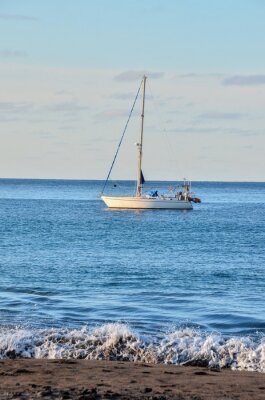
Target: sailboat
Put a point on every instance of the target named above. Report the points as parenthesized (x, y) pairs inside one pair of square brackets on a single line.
[(181, 200)]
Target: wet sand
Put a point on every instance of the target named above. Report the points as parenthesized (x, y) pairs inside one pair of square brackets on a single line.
[(82, 379)]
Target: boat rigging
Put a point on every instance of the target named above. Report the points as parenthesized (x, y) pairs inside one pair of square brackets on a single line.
[(181, 200)]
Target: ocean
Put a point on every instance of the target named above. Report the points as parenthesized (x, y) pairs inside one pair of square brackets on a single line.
[(78, 280)]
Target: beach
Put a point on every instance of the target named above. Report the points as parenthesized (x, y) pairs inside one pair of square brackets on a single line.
[(85, 379)]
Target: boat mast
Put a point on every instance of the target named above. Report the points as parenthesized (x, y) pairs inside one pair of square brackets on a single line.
[(140, 146)]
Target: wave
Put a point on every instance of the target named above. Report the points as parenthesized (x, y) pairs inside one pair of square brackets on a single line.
[(119, 342)]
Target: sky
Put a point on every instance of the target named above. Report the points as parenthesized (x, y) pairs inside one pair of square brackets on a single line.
[(70, 70)]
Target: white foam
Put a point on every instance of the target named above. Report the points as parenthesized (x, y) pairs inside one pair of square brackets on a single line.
[(119, 342)]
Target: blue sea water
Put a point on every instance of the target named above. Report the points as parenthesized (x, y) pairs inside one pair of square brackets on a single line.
[(80, 280)]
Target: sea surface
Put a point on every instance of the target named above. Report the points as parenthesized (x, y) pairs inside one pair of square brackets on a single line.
[(78, 280)]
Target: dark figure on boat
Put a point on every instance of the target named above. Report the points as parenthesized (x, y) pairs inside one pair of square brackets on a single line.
[(154, 193)]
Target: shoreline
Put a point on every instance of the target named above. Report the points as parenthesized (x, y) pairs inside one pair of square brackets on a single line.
[(87, 379)]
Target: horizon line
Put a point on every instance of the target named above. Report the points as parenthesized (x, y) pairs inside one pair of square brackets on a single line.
[(127, 180)]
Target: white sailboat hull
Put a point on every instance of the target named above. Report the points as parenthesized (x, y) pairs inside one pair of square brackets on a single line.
[(147, 203)]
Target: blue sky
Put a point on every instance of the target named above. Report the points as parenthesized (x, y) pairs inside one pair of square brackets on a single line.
[(69, 70), (204, 35)]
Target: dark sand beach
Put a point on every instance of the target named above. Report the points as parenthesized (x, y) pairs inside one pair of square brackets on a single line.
[(82, 379)]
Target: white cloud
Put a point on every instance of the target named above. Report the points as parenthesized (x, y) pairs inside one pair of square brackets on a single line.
[(123, 96), (13, 53), (137, 75), (222, 115), (196, 75), (57, 105), (63, 92), (244, 80), (110, 115), (71, 106), (10, 107), (17, 17), (217, 130)]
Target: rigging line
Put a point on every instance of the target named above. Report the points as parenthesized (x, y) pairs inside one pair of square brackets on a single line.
[(121, 139), (169, 147)]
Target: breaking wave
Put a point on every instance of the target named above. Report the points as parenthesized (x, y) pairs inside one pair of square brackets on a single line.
[(120, 342)]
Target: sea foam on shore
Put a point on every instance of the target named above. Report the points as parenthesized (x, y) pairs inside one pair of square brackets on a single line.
[(120, 342)]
